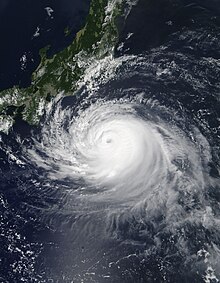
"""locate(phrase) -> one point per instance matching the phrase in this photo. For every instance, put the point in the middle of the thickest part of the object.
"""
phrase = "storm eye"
(108, 140)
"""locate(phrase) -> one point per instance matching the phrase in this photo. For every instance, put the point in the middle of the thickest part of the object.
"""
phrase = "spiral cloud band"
(122, 153)
(130, 172)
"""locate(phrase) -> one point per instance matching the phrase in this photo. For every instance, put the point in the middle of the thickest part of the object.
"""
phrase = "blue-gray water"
(51, 234)
(26, 27)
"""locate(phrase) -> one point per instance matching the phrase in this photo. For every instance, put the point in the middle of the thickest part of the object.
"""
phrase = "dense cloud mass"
(123, 150)
(120, 181)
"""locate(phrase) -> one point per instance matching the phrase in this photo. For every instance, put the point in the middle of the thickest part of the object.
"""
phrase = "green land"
(61, 72)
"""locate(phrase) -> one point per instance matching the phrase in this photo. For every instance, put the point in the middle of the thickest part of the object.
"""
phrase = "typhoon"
(122, 150)
(135, 167)
(120, 181)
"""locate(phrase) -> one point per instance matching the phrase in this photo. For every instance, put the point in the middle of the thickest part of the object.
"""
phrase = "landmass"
(61, 72)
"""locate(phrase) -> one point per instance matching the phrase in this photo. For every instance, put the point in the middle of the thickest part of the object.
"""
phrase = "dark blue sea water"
(150, 24)
(28, 26)
(47, 233)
